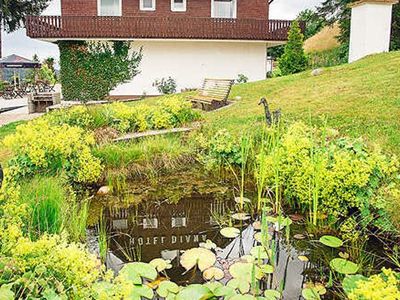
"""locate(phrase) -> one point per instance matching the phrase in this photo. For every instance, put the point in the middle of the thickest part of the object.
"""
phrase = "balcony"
(88, 27)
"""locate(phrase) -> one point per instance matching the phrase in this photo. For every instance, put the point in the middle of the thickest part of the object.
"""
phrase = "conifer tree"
(294, 59)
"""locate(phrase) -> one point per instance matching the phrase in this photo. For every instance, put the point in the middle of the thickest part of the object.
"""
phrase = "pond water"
(160, 220)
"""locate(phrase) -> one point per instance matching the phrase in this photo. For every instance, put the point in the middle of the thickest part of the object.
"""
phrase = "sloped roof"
(16, 61)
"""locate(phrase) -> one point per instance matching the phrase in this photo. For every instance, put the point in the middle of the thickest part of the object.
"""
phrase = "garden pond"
(145, 220)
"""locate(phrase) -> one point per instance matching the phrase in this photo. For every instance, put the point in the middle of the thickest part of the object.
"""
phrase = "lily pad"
(267, 269)
(310, 294)
(167, 287)
(244, 271)
(6, 293)
(243, 297)
(138, 292)
(282, 222)
(259, 252)
(303, 258)
(248, 258)
(161, 264)
(343, 266)
(272, 294)
(194, 292)
(201, 257)
(242, 286)
(230, 232)
(208, 245)
(136, 271)
(344, 255)
(331, 241)
(213, 273)
(214, 285)
(225, 291)
(241, 216)
(259, 236)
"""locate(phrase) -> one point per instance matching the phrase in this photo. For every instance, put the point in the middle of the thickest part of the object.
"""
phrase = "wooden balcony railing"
(88, 27)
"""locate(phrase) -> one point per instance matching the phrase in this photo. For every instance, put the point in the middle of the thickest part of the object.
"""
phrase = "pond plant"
(341, 188)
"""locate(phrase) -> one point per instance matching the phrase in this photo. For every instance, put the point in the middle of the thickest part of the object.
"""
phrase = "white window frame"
(234, 11)
(99, 9)
(179, 9)
(145, 8)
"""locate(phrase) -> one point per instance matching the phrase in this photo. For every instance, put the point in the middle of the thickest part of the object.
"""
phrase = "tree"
(339, 11)
(293, 59)
(13, 13)
(314, 22)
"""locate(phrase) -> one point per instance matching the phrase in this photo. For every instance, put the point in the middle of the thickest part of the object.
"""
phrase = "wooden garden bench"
(213, 94)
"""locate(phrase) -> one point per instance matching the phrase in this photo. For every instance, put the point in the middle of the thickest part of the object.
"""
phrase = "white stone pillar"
(371, 22)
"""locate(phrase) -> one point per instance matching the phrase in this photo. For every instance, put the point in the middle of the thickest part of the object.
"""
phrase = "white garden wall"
(370, 29)
(189, 62)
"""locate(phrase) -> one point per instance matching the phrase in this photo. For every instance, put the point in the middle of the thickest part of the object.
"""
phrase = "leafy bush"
(350, 174)
(328, 58)
(40, 146)
(170, 112)
(166, 86)
(89, 71)
(293, 59)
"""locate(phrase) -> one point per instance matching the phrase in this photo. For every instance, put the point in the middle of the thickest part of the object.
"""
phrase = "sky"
(18, 43)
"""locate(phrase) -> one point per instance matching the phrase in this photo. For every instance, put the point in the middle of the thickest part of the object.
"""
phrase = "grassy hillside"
(360, 99)
(323, 40)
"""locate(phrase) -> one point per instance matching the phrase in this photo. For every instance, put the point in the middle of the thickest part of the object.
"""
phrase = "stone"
(104, 190)
(317, 72)
(238, 98)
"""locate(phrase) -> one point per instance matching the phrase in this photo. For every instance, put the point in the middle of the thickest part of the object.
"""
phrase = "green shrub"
(293, 59)
(40, 146)
(166, 86)
(89, 71)
(328, 58)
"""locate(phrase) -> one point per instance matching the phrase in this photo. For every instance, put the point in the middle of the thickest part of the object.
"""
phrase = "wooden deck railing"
(88, 27)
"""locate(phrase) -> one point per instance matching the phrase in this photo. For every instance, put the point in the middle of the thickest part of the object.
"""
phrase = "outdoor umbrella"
(17, 62)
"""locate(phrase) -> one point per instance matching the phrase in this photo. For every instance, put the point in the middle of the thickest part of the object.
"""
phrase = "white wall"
(189, 62)
(370, 29)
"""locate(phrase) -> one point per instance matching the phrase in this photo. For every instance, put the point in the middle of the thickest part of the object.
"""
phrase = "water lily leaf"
(271, 219)
(208, 245)
(241, 216)
(350, 282)
(331, 241)
(230, 232)
(267, 269)
(244, 199)
(161, 264)
(344, 255)
(213, 286)
(201, 257)
(310, 294)
(136, 270)
(242, 286)
(167, 287)
(320, 288)
(257, 225)
(303, 258)
(6, 293)
(244, 271)
(259, 236)
(137, 292)
(243, 297)
(282, 222)
(259, 252)
(213, 273)
(225, 291)
(343, 266)
(272, 294)
(248, 258)
(194, 292)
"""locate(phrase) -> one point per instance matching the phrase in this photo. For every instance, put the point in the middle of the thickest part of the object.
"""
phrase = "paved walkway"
(19, 114)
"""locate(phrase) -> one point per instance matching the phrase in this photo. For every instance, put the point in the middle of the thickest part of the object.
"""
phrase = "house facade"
(188, 40)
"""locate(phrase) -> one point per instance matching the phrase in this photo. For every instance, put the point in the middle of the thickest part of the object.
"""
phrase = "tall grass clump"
(47, 199)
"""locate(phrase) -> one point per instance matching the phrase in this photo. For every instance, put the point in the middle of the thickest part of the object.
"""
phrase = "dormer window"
(109, 7)
(178, 5)
(223, 8)
(148, 5)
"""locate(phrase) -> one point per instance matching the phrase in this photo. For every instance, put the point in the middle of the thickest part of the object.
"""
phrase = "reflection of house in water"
(161, 229)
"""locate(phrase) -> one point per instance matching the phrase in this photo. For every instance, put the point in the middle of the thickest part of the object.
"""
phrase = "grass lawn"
(359, 99)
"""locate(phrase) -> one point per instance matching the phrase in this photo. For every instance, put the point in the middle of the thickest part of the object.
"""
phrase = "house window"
(178, 5)
(147, 4)
(150, 223)
(223, 8)
(109, 7)
(178, 222)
